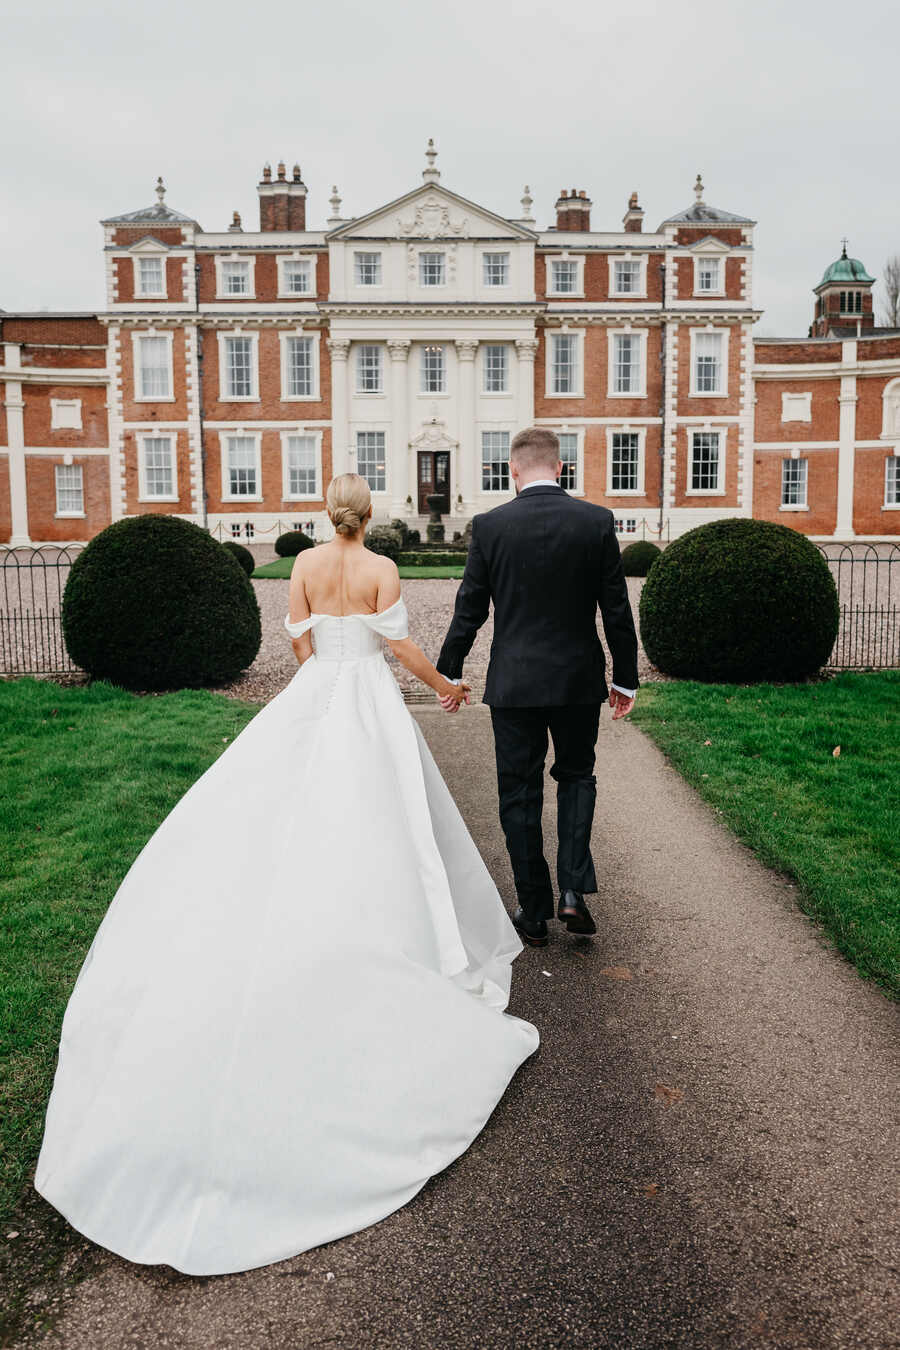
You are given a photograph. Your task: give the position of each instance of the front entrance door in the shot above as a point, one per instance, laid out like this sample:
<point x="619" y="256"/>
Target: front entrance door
<point x="434" y="479"/>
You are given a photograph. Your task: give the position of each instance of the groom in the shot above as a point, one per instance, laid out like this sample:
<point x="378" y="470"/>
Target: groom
<point x="547" y="560"/>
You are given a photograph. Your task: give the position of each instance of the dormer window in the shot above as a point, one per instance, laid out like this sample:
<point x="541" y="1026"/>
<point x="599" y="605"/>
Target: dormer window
<point x="367" y="269"/>
<point x="564" y="276"/>
<point x="709" y="271"/>
<point x="234" y="278"/>
<point x="151" y="277"/>
<point x="431" y="269"/>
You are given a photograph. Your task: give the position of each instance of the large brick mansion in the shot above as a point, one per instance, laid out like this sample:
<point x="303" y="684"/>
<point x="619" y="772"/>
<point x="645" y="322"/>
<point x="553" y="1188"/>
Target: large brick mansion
<point x="231" y="374"/>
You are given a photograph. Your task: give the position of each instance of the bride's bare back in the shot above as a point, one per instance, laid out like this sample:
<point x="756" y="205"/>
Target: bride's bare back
<point x="344" y="577"/>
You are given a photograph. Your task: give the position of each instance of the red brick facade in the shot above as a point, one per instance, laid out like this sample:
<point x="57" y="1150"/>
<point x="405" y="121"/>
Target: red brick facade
<point x="802" y="431"/>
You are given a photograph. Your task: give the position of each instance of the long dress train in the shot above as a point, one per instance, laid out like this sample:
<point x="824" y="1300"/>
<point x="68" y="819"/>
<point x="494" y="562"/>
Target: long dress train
<point x="292" y="1014"/>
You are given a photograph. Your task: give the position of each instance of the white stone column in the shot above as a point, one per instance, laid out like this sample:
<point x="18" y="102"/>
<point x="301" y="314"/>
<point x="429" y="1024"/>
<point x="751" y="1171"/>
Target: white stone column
<point x="468" y="451"/>
<point x="339" y="351"/>
<point x="15" y="439"/>
<point x="527" y="350"/>
<point x="846" y="445"/>
<point x="403" y="465"/>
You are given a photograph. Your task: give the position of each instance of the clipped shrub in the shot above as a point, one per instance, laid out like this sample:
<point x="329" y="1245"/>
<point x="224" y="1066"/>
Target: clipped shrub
<point x="292" y="542"/>
<point x="739" y="600"/>
<point x="432" y="558"/>
<point x="155" y="602"/>
<point x="385" y="540"/>
<point x="638" y="558"/>
<point x="403" y="530"/>
<point x="243" y="555"/>
<point x="413" y="539"/>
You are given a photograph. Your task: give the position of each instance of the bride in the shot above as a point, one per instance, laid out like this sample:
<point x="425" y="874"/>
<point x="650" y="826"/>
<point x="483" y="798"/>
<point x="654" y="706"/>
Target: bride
<point x="292" y="1014"/>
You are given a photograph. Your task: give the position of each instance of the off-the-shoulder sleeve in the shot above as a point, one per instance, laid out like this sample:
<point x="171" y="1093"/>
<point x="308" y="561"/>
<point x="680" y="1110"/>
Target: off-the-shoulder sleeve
<point x="301" y="626"/>
<point x="392" y="622"/>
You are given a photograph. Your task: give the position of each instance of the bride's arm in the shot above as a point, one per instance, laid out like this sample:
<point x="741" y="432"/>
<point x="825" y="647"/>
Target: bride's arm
<point x="298" y="608"/>
<point x="407" y="652"/>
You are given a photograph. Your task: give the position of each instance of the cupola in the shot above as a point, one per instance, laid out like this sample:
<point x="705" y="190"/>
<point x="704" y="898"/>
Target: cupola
<point x="843" y="299"/>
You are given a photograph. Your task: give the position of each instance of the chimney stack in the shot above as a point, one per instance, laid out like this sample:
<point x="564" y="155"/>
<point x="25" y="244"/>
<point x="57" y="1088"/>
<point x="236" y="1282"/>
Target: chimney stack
<point x="282" y="203"/>
<point x="634" y="216"/>
<point x="573" y="212"/>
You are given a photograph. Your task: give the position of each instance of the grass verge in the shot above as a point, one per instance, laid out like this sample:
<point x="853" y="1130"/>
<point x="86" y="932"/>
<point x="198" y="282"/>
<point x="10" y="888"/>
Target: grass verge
<point x="764" y="755"/>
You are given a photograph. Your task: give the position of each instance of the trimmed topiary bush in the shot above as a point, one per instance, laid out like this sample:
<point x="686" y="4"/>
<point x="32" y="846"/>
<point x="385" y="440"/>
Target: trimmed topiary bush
<point x="432" y="558"/>
<point x="243" y="555"/>
<point x="739" y="600"/>
<point x="639" y="557"/>
<point x="292" y="542"/>
<point x="154" y="602"/>
<point x="413" y="539"/>
<point x="385" y="540"/>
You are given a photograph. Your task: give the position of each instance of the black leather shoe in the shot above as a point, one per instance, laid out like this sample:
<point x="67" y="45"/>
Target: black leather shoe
<point x="575" y="913"/>
<point x="532" y="931"/>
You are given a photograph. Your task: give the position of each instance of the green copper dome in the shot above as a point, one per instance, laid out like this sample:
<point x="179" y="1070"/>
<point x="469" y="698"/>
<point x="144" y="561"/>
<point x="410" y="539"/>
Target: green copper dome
<point x="845" y="269"/>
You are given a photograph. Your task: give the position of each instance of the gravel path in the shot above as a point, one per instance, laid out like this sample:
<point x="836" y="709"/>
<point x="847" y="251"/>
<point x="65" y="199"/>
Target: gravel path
<point x="699" y="1155"/>
<point x="430" y="605"/>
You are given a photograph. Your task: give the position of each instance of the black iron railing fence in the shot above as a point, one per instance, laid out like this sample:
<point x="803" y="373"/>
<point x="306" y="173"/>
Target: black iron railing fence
<point x="33" y="578"/>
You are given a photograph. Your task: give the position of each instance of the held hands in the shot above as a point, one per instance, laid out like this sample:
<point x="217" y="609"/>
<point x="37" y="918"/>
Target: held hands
<point x="620" y="703"/>
<point x="454" y="695"/>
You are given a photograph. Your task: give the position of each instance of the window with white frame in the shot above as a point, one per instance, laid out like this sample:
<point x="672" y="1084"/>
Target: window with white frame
<point x="495" y="461"/>
<point x="627" y="363"/>
<point x="235" y="277"/>
<point x="627" y="278"/>
<point x="496" y="368"/>
<point x="434" y="373"/>
<point x="568" y="453"/>
<point x="367" y="269"/>
<point x="301" y="454"/>
<point x="151" y="276"/>
<point x="796" y="407"/>
<point x="432" y="271"/>
<point x="564" y="276"/>
<point x="158" y="453"/>
<point x="708" y="365"/>
<point x="241" y="467"/>
<point x="296" y="276"/>
<point x="563" y="363"/>
<point x="495" y="269"/>
<point x="705" y="465"/>
<point x="239" y="372"/>
<point x="69" y="490"/>
<point x="65" y="413"/>
<point x="793" y="481"/>
<point x="626" y="526"/>
<point x="624" y="466"/>
<point x="299" y="359"/>
<point x="154" y="367"/>
<point x="370" y="459"/>
<point x="369" y="368"/>
<point x="708" y="275"/>
<point x="892" y="481"/>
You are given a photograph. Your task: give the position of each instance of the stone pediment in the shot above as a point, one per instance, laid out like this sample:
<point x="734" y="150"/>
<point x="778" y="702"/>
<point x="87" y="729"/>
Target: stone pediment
<point x="431" y="212"/>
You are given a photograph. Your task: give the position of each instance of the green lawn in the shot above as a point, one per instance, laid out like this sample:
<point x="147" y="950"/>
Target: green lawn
<point x="281" y="567"/>
<point x="830" y="821"/>
<point x="87" y="775"/>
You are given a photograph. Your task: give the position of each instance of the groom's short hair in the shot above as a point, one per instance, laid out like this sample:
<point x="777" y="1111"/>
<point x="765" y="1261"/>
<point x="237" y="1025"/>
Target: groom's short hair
<point x="535" y="448"/>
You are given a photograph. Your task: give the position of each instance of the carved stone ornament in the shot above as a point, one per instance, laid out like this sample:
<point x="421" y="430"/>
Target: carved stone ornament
<point x="433" y="436"/>
<point x="431" y="220"/>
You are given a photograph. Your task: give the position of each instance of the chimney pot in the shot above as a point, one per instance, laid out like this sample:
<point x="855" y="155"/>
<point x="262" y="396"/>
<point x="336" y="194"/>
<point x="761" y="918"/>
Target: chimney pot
<point x="296" y="173"/>
<point x="282" y="172"/>
<point x="267" y="173"/>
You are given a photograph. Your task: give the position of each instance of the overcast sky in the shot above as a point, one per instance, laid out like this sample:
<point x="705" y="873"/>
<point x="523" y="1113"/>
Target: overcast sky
<point x="788" y="108"/>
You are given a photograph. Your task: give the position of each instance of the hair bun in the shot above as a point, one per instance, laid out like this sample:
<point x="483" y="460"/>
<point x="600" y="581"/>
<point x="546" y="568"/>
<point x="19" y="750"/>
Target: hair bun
<point x="346" y="520"/>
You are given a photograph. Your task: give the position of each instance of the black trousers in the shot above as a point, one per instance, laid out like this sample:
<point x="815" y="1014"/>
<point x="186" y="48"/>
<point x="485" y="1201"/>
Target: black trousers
<point x="520" y="741"/>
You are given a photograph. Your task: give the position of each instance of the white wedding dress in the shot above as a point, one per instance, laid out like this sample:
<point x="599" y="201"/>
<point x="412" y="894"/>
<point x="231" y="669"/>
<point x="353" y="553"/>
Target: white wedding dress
<point x="292" y="1014"/>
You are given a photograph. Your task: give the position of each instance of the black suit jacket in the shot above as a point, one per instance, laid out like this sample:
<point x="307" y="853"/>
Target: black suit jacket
<point x="547" y="560"/>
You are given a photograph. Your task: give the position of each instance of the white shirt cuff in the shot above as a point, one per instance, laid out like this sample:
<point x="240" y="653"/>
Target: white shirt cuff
<point x="629" y="693"/>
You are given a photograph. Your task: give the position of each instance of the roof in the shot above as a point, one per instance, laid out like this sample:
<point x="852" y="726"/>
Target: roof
<point x="157" y="214"/>
<point x="701" y="214"/>
<point x="845" y="269"/>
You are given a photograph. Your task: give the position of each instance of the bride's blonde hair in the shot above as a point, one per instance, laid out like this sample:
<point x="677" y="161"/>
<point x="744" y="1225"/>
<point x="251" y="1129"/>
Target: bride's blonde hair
<point x="348" y="500"/>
